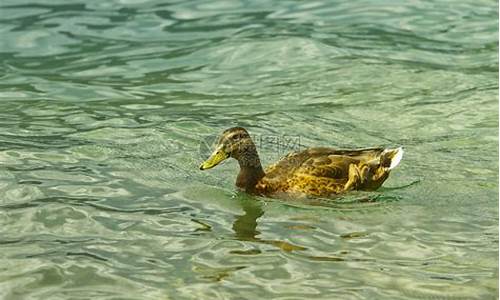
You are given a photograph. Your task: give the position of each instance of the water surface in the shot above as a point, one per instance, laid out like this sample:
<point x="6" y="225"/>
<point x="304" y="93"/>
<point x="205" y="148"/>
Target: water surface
<point x="105" y="107"/>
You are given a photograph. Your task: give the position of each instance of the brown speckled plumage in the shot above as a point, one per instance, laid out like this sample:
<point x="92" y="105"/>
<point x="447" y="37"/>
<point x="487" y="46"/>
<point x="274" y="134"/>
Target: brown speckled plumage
<point x="311" y="172"/>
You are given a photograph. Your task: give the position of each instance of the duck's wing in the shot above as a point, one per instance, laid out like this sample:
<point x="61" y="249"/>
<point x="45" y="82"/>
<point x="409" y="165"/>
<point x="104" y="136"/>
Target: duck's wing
<point x="328" y="170"/>
<point x="310" y="160"/>
<point x="385" y="157"/>
<point x="332" y="163"/>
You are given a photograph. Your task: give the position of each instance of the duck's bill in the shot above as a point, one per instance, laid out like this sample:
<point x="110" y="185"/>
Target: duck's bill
<point x="216" y="158"/>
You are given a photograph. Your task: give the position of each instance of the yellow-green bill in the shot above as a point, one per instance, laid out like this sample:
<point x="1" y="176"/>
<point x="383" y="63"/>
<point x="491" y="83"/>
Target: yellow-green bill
<point x="218" y="156"/>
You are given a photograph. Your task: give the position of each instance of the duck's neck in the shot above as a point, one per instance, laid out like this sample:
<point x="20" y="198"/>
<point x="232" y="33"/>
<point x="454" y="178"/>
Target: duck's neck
<point x="250" y="170"/>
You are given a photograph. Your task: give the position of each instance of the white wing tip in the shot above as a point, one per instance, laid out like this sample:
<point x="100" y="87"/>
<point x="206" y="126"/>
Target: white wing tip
<point x="396" y="159"/>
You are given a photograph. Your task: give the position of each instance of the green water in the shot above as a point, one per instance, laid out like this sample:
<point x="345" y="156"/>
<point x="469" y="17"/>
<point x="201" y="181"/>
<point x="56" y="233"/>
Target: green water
<point x="105" y="107"/>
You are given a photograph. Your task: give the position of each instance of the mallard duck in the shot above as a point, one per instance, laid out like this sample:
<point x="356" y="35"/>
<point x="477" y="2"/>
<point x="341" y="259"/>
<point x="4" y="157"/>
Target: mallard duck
<point x="318" y="171"/>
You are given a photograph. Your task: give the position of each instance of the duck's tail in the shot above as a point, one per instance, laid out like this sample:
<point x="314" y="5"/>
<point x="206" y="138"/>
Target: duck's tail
<point x="390" y="158"/>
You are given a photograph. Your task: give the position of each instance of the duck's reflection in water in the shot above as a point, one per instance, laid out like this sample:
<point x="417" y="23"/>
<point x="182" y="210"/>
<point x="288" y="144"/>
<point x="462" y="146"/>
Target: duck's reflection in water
<point x="245" y="229"/>
<point x="245" y="225"/>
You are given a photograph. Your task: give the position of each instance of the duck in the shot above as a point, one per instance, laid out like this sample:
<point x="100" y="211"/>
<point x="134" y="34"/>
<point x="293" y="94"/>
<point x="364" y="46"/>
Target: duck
<point x="312" y="172"/>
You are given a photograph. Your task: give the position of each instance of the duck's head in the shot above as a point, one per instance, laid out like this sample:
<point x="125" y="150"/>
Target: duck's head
<point x="236" y="143"/>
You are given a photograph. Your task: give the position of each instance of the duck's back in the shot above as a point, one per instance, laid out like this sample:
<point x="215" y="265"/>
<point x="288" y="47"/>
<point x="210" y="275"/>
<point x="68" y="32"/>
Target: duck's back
<point x="326" y="171"/>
